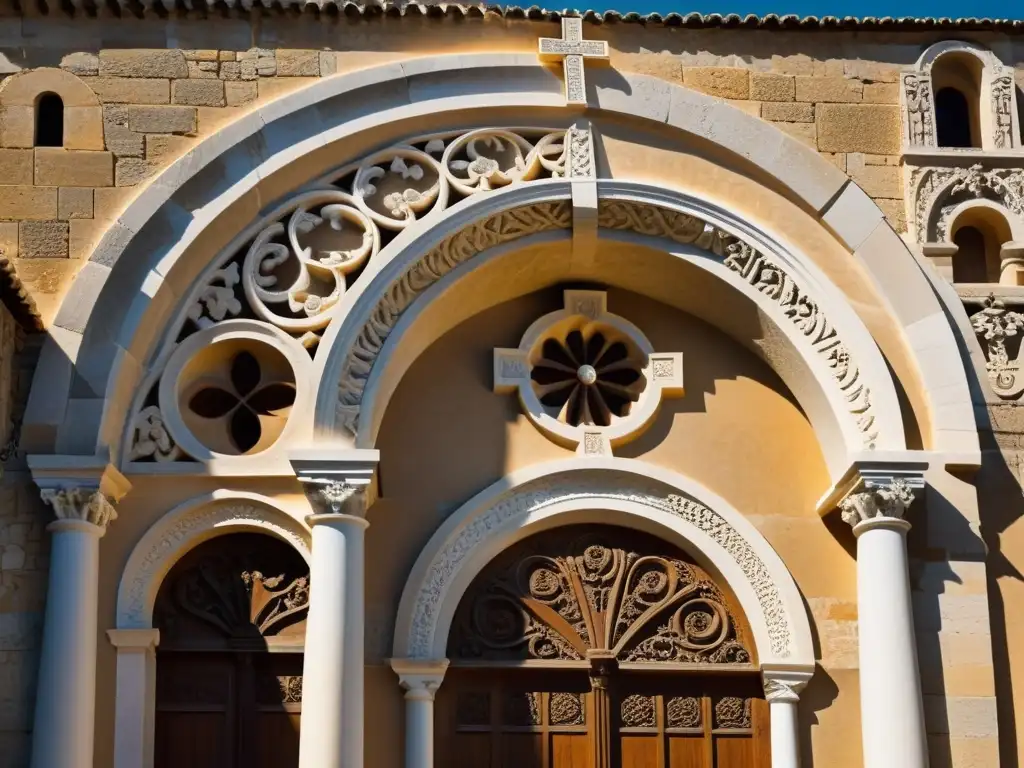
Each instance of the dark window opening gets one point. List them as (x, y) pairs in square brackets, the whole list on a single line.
[(50, 121), (952, 118), (969, 262), (1020, 115)]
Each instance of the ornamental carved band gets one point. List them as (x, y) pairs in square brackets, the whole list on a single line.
[(886, 501), (761, 272), (520, 505), (86, 504), (938, 191)]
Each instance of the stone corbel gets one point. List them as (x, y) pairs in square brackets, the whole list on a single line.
[(337, 481), (784, 685), (420, 678), (879, 489), (79, 491)]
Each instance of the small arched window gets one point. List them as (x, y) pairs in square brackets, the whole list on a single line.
[(49, 121), (969, 263), (952, 118)]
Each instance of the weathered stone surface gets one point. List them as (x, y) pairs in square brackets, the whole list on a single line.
[(83, 127), (43, 240), (128, 90), (74, 203), (203, 69), (200, 55), (9, 239), (142, 62), (226, 56), (805, 132), (131, 171), (238, 93), (24, 202), (873, 71), (81, 63), (17, 127), (879, 181), (873, 128), (19, 630), (724, 82), (162, 119), (788, 111), (230, 70), (769, 86), (65, 168), (882, 93), (161, 150), (16, 166), (828, 89), (895, 213), (272, 87), (298, 63), (328, 63), (109, 202), (752, 108), (201, 93), (121, 140), (85, 233)]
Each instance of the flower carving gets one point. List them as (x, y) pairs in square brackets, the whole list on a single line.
[(588, 380), (246, 404)]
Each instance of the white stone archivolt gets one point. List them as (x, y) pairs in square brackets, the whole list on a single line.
[(614, 491), (185, 527)]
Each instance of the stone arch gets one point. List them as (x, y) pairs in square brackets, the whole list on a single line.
[(165, 232), (354, 399), (618, 491), (83, 115), (186, 526)]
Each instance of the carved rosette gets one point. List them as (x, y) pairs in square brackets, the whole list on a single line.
[(888, 501), (89, 505)]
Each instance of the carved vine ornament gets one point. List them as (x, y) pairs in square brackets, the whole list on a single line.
[(886, 501), (994, 326), (293, 273), (938, 191)]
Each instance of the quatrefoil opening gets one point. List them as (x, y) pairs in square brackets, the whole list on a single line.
[(588, 379)]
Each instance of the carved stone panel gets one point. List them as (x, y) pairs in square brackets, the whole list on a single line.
[(560, 595)]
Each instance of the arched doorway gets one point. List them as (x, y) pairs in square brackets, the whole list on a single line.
[(231, 615), (595, 645)]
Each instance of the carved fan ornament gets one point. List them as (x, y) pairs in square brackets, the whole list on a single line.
[(292, 274), (597, 598)]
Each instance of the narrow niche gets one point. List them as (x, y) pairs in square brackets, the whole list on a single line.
[(957, 82), (49, 121)]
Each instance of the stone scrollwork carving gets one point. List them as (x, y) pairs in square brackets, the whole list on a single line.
[(1002, 114), (781, 690), (890, 500), (638, 607), (937, 192), (919, 128), (86, 504), (995, 325), (150, 438)]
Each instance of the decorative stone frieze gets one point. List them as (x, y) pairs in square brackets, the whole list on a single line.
[(936, 192), (588, 378), (994, 325)]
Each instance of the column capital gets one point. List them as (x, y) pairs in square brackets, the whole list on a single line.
[(134, 639), (877, 491), (784, 685), (79, 492), (337, 482), (420, 678)]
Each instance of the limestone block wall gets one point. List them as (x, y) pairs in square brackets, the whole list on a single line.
[(24, 553)]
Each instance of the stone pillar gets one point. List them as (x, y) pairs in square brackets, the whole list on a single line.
[(66, 691), (420, 680), (781, 690), (892, 711), (135, 707), (340, 490)]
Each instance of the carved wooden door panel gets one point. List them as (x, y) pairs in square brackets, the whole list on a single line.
[(229, 663), (620, 629)]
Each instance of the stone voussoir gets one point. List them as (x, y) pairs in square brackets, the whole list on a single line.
[(142, 62)]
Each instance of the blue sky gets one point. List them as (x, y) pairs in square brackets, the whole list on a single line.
[(952, 8)]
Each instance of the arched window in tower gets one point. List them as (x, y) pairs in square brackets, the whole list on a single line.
[(49, 121), (969, 262), (952, 118)]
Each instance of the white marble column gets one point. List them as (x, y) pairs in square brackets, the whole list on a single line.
[(340, 490), (65, 711), (135, 707), (782, 691), (420, 680), (892, 711)]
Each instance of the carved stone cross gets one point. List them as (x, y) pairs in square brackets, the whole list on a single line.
[(572, 49)]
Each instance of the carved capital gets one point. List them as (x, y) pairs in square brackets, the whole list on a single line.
[(420, 678), (338, 497), (886, 500), (89, 505), (784, 687), (337, 482)]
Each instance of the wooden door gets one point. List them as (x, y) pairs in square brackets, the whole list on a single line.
[(228, 710)]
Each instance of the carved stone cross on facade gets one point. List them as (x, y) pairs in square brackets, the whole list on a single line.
[(572, 49)]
